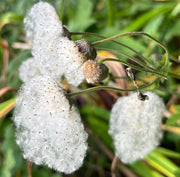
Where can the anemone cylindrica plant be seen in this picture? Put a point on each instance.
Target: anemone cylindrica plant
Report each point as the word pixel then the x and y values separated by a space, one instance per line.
pixel 49 129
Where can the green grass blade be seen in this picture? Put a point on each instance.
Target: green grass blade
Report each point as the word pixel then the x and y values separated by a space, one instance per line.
pixel 143 170
pixel 162 164
pixel 10 17
pixel 168 153
pixel 6 106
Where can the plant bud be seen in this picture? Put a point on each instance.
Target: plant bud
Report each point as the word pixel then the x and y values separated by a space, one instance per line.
pixel 86 48
pixel 94 72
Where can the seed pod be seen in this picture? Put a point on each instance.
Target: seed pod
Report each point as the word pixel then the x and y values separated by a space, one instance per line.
pixel 94 72
pixel 86 49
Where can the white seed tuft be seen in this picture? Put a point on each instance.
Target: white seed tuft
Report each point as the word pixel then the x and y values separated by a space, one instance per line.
pixel 48 129
pixel 28 70
pixel 42 23
pixel 55 54
pixel 135 126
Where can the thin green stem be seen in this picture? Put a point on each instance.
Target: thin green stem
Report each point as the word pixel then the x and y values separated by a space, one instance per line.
pixel 133 66
pixel 93 89
pixel 174 59
pixel 126 34
pixel 128 56
pixel 173 75
pixel 136 33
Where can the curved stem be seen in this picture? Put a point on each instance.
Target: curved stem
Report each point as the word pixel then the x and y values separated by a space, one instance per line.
pixel 116 42
pixel 173 75
pixel 113 166
pixel 136 33
pixel 128 56
pixel 133 66
pixel 93 89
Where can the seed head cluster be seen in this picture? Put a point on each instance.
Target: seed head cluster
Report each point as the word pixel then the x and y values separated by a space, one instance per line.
pixel 135 126
pixel 54 53
pixel 48 128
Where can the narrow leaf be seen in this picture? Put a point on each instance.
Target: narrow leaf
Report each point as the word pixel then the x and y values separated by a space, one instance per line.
pixel 6 107
pixel 143 170
pixel 168 153
pixel 10 17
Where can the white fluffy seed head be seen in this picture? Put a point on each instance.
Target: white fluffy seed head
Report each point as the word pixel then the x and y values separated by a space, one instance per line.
pixel 48 129
pixel 135 126
pixel 55 54
pixel 42 22
pixel 28 70
pixel 61 58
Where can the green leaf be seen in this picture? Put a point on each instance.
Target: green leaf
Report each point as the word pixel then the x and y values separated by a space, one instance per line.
pixel 6 106
pixel 176 10
pixel 97 111
pixel 7 147
pixel 10 17
pixel 153 25
pixel 12 72
pixel 168 152
pixel 143 170
pixel 145 17
pixel 177 108
pixel 81 18
pixel 173 31
pixel 97 118
pixel 173 119
pixel 162 164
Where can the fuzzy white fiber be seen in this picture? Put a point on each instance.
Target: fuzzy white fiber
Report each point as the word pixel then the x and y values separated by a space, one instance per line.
pixel 28 70
pixel 55 54
pixel 48 128
pixel 135 126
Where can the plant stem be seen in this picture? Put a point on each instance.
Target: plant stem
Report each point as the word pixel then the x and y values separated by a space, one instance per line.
pixel 133 66
pixel 136 33
pixel 116 42
pixel 128 56
pixel 93 89
pixel 173 75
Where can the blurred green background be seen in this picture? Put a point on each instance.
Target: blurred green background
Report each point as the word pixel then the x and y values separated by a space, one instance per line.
pixel 161 19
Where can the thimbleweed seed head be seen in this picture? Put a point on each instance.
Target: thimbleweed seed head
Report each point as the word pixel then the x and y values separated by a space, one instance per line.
pixel 56 55
pixel 135 126
pixel 28 70
pixel 86 49
pixel 94 72
pixel 43 23
pixel 48 129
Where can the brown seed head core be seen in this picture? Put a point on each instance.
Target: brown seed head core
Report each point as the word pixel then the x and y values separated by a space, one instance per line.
pixel 86 49
pixel 94 72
